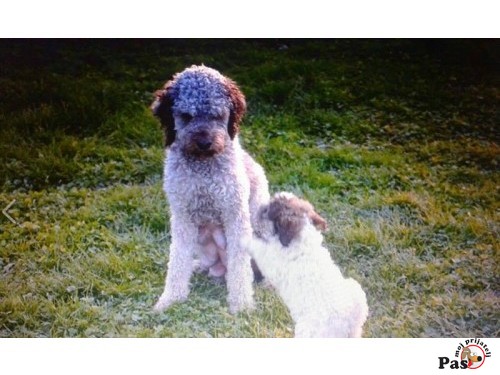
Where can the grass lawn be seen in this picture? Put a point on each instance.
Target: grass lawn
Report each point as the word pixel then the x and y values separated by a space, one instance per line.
pixel 395 142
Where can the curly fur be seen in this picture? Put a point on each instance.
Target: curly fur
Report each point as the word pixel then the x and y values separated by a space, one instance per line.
pixel 214 188
pixel 290 254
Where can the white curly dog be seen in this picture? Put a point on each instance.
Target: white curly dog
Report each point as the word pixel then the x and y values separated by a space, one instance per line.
pixel 214 188
pixel 291 257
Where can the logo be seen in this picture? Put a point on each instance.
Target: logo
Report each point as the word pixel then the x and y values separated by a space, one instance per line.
pixel 471 356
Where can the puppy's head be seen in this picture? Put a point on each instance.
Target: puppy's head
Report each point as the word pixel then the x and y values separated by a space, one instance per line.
pixel 288 216
pixel 199 109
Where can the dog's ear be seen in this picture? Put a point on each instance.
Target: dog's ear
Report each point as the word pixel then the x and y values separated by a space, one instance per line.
pixel 239 107
pixel 465 353
pixel 162 108
pixel 318 221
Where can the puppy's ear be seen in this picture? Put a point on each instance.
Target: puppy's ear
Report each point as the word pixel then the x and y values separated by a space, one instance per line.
pixel 239 107
pixel 162 108
pixel 288 229
pixel 318 221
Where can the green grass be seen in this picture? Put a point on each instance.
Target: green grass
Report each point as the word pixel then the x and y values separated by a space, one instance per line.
pixel 397 146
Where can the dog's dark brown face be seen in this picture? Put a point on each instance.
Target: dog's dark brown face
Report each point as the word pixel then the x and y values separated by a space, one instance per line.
pixel 200 111
pixel 289 215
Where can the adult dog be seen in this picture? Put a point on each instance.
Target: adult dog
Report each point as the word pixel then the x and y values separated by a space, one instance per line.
pixel 214 188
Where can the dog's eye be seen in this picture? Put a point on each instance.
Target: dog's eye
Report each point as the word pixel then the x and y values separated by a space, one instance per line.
pixel 186 117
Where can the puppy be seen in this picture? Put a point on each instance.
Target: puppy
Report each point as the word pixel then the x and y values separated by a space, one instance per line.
pixel 288 250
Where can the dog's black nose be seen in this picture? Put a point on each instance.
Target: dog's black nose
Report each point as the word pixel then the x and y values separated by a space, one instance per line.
pixel 479 358
pixel 204 144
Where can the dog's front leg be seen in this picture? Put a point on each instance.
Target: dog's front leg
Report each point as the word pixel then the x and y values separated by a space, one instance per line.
pixel 180 264
pixel 239 275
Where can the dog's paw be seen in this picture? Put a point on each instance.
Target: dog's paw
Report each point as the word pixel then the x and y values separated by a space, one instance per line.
pixel 198 267
pixel 161 306
pixel 217 270
pixel 164 303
